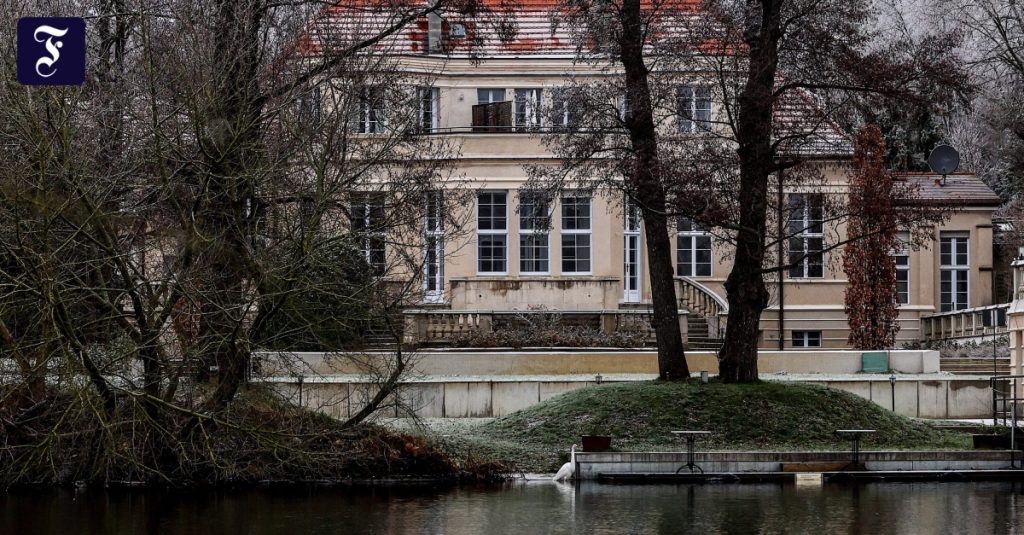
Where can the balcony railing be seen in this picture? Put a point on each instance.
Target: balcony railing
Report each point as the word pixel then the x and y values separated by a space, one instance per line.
pixel 966 323
pixel 702 301
pixel 434 326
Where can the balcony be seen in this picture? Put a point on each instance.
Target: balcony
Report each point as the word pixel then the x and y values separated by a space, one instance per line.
pixel 498 118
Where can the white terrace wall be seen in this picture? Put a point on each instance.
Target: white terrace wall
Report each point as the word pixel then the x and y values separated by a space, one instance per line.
pixel 464 384
pixel 591 362
pixel 939 397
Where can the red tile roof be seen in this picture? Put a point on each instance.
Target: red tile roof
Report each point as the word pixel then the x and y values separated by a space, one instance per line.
pixel 962 189
pixel 536 30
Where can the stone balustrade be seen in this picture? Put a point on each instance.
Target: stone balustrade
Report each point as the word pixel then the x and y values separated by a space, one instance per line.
pixel 440 326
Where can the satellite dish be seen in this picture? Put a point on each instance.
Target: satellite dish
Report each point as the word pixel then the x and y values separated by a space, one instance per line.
pixel 944 160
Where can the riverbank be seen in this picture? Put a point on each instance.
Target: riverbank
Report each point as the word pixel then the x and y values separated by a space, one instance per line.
pixel 258 439
pixel 640 417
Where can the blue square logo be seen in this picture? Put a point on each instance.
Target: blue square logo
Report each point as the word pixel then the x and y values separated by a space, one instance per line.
pixel 51 51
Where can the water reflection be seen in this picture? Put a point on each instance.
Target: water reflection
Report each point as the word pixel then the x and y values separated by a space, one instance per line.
pixel 526 508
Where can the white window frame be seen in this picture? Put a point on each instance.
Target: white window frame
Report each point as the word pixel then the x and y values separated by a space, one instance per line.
pixel 534 228
pixel 631 227
pixel 503 232
pixel 958 272
pixel 433 231
pixel 577 233
pixel 368 118
pixel 564 109
pixel 693 235
pixel 694 108
pixel 803 339
pixel 526 108
pixel 311 107
pixel 490 92
pixel 802 230
pixel 369 233
pixel 901 256
pixel 428 103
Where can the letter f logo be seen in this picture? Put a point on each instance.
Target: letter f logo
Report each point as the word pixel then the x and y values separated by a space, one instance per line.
pixel 51 51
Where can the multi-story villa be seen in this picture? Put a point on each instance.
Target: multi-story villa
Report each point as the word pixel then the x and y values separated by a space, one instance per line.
pixel 590 261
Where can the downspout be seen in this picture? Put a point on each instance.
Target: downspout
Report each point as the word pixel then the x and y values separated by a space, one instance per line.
pixel 781 246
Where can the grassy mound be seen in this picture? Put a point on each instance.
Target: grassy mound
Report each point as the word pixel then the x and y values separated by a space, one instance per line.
pixel 641 416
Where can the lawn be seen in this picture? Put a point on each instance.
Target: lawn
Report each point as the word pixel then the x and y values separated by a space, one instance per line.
pixel 640 416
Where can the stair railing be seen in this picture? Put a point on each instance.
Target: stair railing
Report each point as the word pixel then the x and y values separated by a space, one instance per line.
pixel 701 301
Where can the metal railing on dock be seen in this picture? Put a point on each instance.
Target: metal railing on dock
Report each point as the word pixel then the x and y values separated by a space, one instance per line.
pixel 1007 396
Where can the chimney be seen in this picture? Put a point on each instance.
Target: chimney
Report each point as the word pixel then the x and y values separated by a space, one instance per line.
pixel 434 44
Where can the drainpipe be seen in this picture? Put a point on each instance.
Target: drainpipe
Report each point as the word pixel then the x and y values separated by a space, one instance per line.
pixel 782 293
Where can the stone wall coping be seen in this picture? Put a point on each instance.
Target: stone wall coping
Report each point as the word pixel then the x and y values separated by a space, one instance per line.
pixel 611 378
pixel 793 456
pixel 512 312
pixel 585 350
pixel 356 379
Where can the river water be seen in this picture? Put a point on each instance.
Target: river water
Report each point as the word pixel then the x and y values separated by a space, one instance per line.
pixel 525 508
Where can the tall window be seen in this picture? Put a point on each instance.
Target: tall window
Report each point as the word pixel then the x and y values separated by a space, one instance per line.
pixel 526 112
pixel 902 257
pixel 492 232
pixel 368 226
pixel 427 99
pixel 534 222
pixel 631 252
pixel 624 111
pixel 564 109
pixel 490 96
pixel 954 270
pixel 575 234
pixel 807 236
pixel 310 108
pixel 694 108
pixel 433 247
pixel 370 113
pixel 693 249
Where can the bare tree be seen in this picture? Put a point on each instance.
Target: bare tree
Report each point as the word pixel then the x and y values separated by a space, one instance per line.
pixel 781 73
pixel 229 178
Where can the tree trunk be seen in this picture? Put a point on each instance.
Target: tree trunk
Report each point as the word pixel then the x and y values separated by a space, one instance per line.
pixel 645 180
pixel 233 124
pixel 745 286
pixel 671 357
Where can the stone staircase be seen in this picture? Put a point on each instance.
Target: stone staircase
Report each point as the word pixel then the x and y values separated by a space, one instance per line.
pixel 702 304
pixel 974 366
pixel 698 335
pixel 377 335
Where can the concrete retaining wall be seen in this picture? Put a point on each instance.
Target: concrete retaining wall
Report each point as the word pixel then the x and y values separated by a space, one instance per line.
pixel 592 361
pixel 447 397
pixel 589 465
pixel 467 384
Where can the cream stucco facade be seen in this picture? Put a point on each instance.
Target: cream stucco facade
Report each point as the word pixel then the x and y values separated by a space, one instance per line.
pixel 464 283
pixel 494 163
